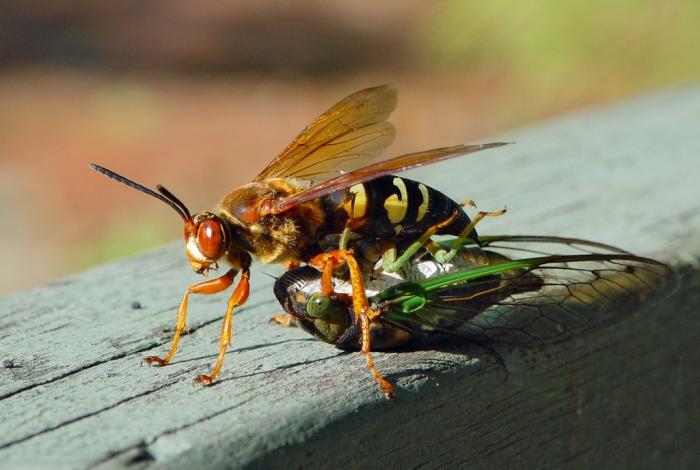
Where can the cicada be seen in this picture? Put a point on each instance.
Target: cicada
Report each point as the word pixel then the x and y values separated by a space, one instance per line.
pixel 321 185
pixel 518 290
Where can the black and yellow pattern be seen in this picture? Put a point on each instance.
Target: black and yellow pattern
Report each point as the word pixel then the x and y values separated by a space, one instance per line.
pixel 391 207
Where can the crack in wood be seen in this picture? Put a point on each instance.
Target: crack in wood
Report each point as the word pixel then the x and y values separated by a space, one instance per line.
pixel 148 347
pixel 144 445
pixel 78 370
pixel 86 415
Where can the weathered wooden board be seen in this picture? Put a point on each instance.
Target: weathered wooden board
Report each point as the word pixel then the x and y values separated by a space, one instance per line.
pixel 73 393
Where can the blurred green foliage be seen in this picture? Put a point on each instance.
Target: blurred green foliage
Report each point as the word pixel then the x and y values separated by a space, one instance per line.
pixel 120 239
pixel 610 44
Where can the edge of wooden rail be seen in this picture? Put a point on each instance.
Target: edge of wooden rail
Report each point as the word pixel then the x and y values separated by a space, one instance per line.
pixel 72 392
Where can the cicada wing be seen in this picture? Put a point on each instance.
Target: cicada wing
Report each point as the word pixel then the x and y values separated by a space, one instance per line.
pixel 573 299
pixel 346 137
pixel 541 299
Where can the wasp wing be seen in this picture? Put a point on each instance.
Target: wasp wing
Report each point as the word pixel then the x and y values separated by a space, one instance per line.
pixel 534 300
pixel 370 172
pixel 347 136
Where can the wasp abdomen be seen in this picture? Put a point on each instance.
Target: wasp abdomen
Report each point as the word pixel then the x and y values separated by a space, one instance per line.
pixel 394 207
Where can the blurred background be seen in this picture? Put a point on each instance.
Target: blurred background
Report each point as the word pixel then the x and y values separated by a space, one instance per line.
pixel 199 96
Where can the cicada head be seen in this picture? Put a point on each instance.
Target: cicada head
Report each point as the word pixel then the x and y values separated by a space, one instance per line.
pixel 331 319
pixel 327 318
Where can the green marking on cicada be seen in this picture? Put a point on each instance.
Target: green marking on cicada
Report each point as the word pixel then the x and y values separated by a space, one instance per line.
pixel 413 304
pixel 475 273
pixel 399 290
pixel 412 296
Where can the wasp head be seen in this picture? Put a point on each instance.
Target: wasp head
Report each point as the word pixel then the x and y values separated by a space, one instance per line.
pixel 205 241
pixel 205 235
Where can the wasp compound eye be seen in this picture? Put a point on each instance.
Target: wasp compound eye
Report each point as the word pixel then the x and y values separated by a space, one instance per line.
pixel 318 305
pixel 210 238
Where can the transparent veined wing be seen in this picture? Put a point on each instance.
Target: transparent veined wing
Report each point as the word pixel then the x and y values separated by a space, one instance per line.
pixel 346 137
pixel 525 290
pixel 531 290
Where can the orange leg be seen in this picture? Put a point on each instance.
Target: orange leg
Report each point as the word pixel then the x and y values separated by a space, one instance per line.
pixel 212 286
pixel 385 385
pixel 326 263
pixel 239 296
pixel 363 313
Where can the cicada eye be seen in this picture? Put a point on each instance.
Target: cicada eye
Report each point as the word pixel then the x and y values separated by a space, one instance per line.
pixel 210 238
pixel 318 305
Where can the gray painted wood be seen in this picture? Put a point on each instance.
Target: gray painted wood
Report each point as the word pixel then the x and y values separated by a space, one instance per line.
pixel 627 395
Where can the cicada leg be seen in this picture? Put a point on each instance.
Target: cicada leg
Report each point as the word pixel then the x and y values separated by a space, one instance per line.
pixel 432 247
pixel 284 320
pixel 445 256
pixel 391 264
pixel 326 262
pixel 344 238
pixel 239 296
pixel 211 286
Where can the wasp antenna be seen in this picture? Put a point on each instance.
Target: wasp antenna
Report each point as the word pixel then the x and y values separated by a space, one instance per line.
pixel 132 184
pixel 166 192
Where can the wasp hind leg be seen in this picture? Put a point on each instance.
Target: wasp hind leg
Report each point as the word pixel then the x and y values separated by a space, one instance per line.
pixel 211 286
pixel 445 256
pixel 326 262
pixel 386 386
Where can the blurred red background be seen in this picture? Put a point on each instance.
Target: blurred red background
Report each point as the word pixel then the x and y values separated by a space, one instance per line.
pixel 199 96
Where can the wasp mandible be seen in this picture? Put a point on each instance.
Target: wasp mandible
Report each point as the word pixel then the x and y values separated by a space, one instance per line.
pixel 322 184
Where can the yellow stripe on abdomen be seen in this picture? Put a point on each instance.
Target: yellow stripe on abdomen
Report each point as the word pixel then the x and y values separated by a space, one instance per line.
pixel 356 207
pixel 423 208
pixel 397 205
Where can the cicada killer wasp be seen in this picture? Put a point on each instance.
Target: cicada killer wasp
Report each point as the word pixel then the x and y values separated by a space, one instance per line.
pixel 322 184
pixel 517 290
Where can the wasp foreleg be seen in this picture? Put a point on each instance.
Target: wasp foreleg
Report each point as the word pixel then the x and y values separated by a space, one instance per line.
pixel 211 286
pixel 444 256
pixel 239 296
